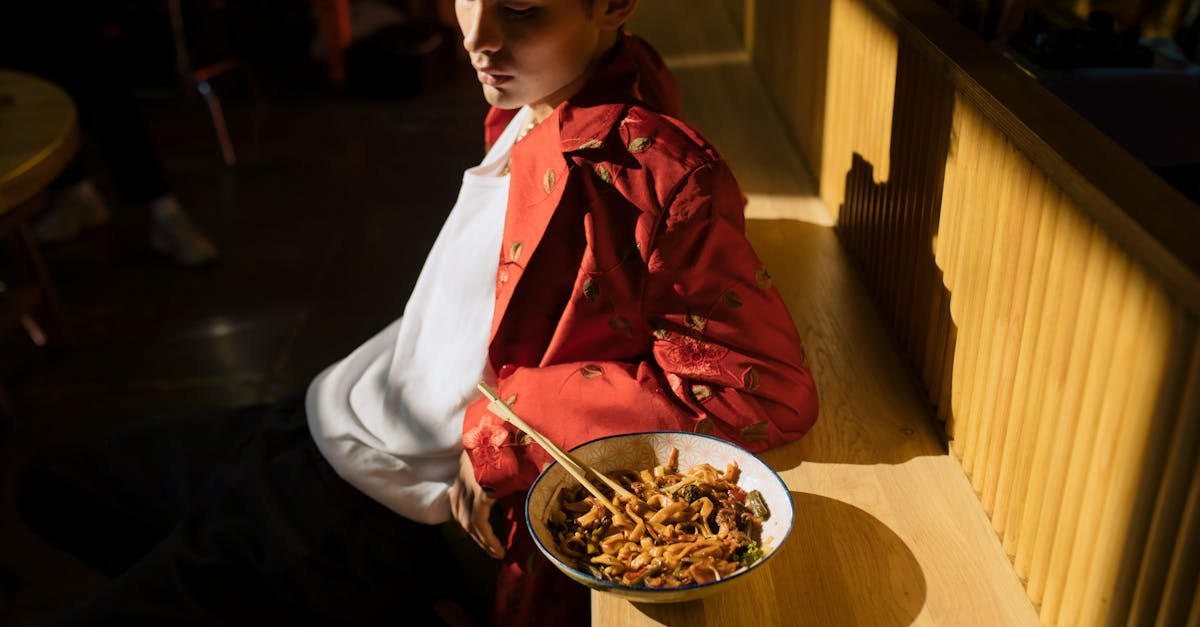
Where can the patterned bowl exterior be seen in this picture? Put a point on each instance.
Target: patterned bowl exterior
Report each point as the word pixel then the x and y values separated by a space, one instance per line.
pixel 646 450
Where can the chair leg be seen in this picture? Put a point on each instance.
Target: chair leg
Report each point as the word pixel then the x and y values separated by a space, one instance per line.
pixel 49 295
pixel 199 79
pixel 218 118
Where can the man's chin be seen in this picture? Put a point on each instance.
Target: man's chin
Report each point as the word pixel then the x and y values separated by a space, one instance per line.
pixel 501 99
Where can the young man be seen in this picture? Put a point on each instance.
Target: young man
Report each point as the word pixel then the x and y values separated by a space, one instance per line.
pixel 594 268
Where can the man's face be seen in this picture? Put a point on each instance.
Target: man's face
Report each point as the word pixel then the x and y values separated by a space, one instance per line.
pixel 528 52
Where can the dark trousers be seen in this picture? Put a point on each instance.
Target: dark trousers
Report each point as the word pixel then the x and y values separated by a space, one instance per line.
pixel 232 518
pixel 77 45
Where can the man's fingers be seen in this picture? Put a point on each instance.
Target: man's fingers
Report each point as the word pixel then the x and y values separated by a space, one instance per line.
pixel 458 506
pixel 470 505
pixel 454 496
pixel 483 526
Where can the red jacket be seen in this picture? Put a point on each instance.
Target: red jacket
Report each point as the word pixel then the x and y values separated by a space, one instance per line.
pixel 627 296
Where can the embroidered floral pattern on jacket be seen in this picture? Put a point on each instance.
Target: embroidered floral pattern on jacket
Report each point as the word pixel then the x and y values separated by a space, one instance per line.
pixel 486 442
pixel 692 358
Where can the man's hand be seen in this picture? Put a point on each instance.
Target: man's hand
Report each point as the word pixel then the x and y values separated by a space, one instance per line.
pixel 471 506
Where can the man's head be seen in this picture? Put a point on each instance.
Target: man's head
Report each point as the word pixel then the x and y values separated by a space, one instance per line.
pixel 538 52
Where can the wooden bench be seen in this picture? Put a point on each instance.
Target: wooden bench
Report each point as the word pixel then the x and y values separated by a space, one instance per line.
pixel 957 275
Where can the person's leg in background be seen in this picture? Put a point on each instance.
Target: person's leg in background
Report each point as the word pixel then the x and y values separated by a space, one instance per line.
pixel 79 45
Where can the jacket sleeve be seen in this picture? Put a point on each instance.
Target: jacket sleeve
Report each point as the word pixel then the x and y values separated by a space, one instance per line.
pixel 724 356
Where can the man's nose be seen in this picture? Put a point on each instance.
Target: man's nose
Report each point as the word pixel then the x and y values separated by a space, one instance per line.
pixel 483 30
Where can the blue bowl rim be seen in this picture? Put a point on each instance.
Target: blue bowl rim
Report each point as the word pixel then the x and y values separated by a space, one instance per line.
pixel 606 584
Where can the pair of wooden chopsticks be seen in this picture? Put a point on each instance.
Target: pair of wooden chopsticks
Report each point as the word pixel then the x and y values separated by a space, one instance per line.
pixel 573 466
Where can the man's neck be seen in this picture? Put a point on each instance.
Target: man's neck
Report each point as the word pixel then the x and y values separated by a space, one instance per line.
pixel 542 110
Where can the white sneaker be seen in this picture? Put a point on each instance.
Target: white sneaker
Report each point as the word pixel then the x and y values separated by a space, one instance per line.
pixel 70 211
pixel 173 234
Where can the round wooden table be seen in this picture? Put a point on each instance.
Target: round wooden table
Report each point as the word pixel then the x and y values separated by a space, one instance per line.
pixel 39 134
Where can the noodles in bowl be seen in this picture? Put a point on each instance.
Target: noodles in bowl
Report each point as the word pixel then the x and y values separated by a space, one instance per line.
pixel 706 514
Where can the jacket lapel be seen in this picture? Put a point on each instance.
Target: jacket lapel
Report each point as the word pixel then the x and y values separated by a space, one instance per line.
pixel 540 161
pixel 539 176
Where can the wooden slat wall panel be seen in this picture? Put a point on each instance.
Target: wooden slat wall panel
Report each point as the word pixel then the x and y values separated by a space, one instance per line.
pixel 859 92
pixel 789 42
pixel 1068 379
pixel 890 226
pixel 1062 346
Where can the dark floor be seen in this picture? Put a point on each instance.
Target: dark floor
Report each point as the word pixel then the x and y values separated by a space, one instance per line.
pixel 322 227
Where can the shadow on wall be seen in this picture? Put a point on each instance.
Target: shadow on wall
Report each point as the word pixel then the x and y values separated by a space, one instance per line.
pixel 869 414
pixel 889 228
pixel 859 573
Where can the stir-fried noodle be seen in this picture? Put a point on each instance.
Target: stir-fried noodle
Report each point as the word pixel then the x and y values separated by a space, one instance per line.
pixel 682 529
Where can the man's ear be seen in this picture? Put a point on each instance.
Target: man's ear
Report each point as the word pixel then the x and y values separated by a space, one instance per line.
pixel 614 13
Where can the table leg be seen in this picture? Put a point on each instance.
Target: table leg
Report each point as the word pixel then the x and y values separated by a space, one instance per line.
pixel 33 256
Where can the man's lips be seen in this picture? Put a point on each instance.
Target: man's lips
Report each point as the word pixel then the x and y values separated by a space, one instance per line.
pixel 492 77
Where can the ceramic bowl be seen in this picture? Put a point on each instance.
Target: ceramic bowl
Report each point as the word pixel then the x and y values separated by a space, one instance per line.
pixel 646 450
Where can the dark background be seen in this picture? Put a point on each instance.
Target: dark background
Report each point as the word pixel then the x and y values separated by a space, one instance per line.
pixel 323 225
